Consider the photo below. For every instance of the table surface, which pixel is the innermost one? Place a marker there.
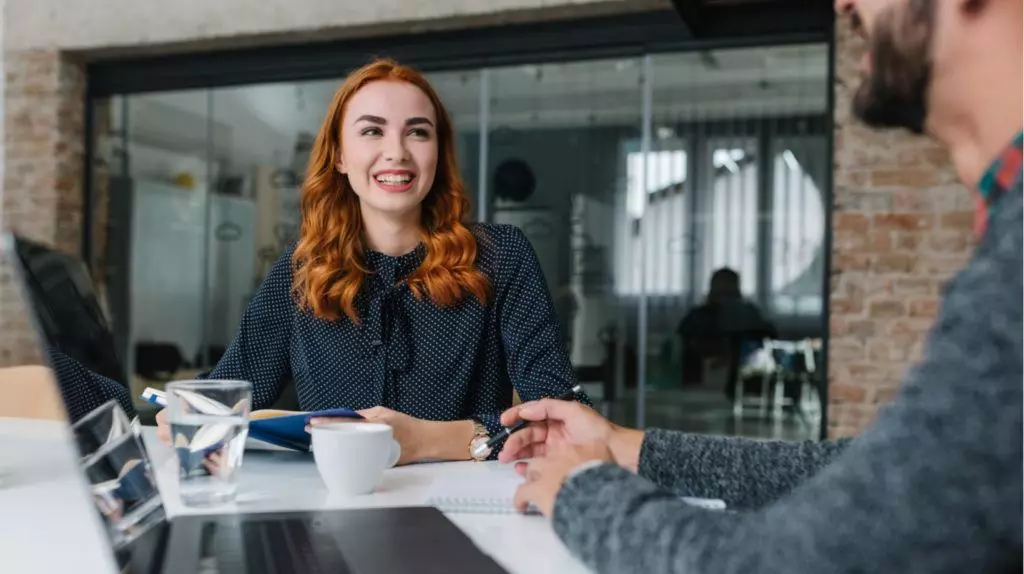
(44, 494)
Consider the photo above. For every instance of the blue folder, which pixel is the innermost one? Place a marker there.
(289, 431)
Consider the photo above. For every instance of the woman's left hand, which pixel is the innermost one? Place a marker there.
(410, 432)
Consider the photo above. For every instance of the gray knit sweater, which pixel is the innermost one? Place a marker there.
(933, 486)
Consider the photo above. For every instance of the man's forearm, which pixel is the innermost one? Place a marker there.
(743, 472)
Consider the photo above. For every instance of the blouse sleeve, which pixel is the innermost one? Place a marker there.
(535, 356)
(83, 390)
(261, 351)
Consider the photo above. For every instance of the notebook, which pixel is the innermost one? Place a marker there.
(490, 493)
(494, 492)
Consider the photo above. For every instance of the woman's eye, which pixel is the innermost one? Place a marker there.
(419, 133)
(371, 132)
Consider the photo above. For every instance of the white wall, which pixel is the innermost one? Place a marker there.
(96, 24)
(3, 89)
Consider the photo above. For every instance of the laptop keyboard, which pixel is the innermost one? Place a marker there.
(269, 547)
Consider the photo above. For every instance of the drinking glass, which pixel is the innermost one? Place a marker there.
(209, 423)
(118, 470)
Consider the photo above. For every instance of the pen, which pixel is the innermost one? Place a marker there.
(506, 432)
(158, 398)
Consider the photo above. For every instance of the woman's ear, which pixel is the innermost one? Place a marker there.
(340, 166)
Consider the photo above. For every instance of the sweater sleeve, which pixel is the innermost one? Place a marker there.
(745, 473)
(933, 486)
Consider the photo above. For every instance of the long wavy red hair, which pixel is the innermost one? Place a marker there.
(329, 265)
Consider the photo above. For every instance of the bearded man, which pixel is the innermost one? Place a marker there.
(935, 484)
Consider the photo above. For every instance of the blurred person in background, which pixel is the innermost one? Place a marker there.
(935, 484)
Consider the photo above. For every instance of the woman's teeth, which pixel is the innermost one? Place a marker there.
(392, 178)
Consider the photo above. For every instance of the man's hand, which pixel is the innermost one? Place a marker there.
(545, 476)
(556, 424)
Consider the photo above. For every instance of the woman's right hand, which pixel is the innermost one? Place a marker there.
(163, 428)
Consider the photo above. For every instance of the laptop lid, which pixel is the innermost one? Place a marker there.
(62, 413)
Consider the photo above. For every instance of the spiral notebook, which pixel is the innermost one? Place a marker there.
(490, 493)
(494, 494)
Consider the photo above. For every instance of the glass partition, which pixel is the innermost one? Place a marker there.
(637, 180)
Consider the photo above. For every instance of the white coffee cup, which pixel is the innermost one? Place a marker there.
(352, 456)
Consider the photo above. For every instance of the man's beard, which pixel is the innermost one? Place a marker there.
(894, 95)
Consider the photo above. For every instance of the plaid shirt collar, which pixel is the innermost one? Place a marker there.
(1002, 176)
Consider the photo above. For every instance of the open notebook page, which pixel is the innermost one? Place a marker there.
(493, 493)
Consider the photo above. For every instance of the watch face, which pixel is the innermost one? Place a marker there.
(479, 442)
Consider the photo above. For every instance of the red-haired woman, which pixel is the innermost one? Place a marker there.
(389, 302)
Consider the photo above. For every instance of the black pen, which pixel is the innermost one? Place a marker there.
(506, 432)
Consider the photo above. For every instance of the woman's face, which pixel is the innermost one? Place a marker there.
(389, 147)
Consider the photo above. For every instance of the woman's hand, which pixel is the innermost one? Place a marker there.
(412, 434)
(163, 428)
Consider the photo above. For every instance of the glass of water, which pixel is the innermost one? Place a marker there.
(209, 423)
(118, 469)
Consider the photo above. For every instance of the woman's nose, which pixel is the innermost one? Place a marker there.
(395, 149)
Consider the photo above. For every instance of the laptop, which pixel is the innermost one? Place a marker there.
(410, 540)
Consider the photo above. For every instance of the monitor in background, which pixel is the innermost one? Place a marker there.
(66, 307)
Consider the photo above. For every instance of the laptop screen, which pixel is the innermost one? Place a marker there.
(59, 343)
(66, 307)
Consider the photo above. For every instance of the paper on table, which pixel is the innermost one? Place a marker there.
(493, 493)
(485, 493)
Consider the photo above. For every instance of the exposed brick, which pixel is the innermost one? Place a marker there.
(851, 261)
(909, 326)
(884, 394)
(859, 328)
(43, 146)
(941, 265)
(908, 240)
(903, 221)
(915, 286)
(885, 280)
(847, 393)
(924, 308)
(905, 177)
(886, 309)
(949, 241)
(843, 349)
(893, 263)
(854, 222)
(957, 220)
(846, 306)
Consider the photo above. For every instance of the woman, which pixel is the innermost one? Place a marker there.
(388, 302)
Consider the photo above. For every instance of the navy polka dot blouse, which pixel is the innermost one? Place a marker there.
(83, 391)
(407, 354)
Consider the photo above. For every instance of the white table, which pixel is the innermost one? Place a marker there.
(270, 481)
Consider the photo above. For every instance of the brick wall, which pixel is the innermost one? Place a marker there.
(43, 167)
(902, 227)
